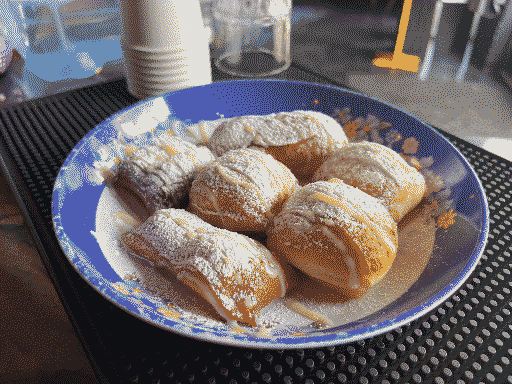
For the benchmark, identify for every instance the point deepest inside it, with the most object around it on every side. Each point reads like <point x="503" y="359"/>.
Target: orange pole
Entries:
<point x="400" y="60"/>
<point x="402" y="28"/>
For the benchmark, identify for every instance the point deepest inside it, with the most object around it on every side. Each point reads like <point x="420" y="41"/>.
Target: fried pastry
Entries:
<point x="337" y="234"/>
<point x="301" y="140"/>
<point x="241" y="190"/>
<point x="161" y="174"/>
<point x="380" y="172"/>
<point x="237" y="275"/>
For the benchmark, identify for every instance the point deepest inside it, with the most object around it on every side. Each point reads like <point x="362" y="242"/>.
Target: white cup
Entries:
<point x="165" y="59"/>
<point x="156" y="51"/>
<point x="145" y="71"/>
<point x="143" y="91"/>
<point x="191" y="62"/>
<point x="155" y="83"/>
<point x="154" y="64"/>
<point x="160" y="23"/>
<point x="165" y="46"/>
<point x="154" y="79"/>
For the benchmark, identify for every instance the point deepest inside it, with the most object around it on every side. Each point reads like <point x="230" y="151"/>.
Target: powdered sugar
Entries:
<point x="276" y="316"/>
<point x="307" y="209"/>
<point x="162" y="172"/>
<point x="361" y="164"/>
<point x="253" y="180"/>
<point x="377" y="170"/>
<point x="224" y="258"/>
<point x="275" y="130"/>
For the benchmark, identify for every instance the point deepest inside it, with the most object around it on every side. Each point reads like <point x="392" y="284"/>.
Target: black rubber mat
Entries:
<point x="465" y="340"/>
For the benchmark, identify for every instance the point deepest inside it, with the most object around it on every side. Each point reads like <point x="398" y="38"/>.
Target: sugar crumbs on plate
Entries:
<point x="375" y="130"/>
<point x="131" y="277"/>
<point x="447" y="219"/>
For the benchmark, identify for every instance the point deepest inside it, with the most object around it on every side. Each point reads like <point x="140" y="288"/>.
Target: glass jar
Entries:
<point x="251" y="38"/>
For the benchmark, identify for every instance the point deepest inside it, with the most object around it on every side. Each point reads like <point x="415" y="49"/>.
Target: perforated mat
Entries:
<point x="465" y="340"/>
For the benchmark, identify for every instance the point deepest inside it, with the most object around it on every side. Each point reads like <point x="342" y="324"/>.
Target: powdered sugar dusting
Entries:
<point x="415" y="249"/>
<point x="276" y="129"/>
<point x="361" y="217"/>
<point x="332" y="128"/>
<point x="162" y="172"/>
<point x="297" y="211"/>
<point x="275" y="317"/>
<point x="252" y="179"/>
<point x="224" y="258"/>
<point x="377" y="169"/>
<point x="357" y="162"/>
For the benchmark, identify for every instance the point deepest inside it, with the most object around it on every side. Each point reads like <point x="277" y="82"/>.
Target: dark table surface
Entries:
<point x="48" y="335"/>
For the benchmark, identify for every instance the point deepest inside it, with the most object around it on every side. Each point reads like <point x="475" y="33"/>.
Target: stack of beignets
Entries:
<point x="234" y="273"/>
<point x="301" y="140"/>
<point x="337" y="234"/>
<point x="161" y="173"/>
<point x="380" y="172"/>
<point x="340" y="229"/>
<point x="241" y="191"/>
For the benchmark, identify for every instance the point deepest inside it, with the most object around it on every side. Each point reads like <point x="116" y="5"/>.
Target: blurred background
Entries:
<point x="462" y="86"/>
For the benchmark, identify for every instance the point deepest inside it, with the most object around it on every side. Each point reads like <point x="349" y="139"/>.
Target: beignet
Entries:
<point x="241" y="190"/>
<point x="301" y="140"/>
<point x="380" y="172"/>
<point x="337" y="234"/>
<point x="161" y="174"/>
<point x="234" y="273"/>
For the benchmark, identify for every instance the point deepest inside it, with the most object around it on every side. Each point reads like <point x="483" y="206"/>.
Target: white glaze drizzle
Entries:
<point x="353" y="280"/>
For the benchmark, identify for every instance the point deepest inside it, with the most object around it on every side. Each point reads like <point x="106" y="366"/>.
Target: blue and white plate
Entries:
<point x="431" y="264"/>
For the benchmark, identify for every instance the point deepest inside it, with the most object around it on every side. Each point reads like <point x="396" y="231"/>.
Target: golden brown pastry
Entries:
<point x="161" y="174"/>
<point x="337" y="234"/>
<point x="301" y="140"/>
<point x="241" y="190"/>
<point x="380" y="172"/>
<point x="237" y="275"/>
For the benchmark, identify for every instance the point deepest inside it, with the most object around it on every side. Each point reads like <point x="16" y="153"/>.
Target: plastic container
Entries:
<point x="63" y="39"/>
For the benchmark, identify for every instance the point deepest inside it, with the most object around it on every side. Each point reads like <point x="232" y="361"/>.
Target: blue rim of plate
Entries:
<point x="141" y="306"/>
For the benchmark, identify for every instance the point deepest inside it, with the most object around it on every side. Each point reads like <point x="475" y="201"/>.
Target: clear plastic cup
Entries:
<point x="251" y="38"/>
